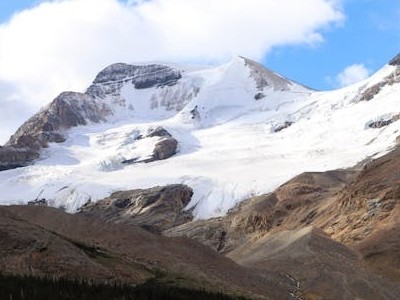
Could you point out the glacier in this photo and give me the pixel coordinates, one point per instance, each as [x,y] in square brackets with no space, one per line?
[242,131]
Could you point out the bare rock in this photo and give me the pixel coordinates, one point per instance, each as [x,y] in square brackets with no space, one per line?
[383,122]
[259,96]
[283,126]
[158,131]
[165,149]
[266,78]
[15,157]
[395,61]
[369,93]
[372,91]
[157,208]
[142,76]
[68,110]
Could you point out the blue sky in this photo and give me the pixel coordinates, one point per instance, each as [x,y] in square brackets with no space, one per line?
[9,7]
[370,35]
[50,46]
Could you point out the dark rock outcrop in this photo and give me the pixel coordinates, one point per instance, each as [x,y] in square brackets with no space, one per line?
[259,96]
[383,122]
[142,76]
[165,148]
[283,126]
[72,109]
[109,83]
[266,78]
[16,157]
[370,92]
[395,61]
[68,110]
[158,208]
[158,131]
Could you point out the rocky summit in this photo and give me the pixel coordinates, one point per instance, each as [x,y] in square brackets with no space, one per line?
[229,180]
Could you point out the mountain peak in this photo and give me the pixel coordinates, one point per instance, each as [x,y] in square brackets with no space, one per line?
[142,76]
[227,126]
[395,61]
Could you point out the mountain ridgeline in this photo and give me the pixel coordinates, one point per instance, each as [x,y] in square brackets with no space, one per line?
[230,182]
[103,101]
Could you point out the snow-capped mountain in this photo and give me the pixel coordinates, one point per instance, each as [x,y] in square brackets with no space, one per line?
[227,132]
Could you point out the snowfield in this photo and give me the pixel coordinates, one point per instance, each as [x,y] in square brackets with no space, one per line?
[231,145]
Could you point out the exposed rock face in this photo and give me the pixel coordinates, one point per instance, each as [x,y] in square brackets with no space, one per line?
[395,61]
[259,96]
[15,157]
[158,208]
[384,122]
[72,109]
[265,78]
[370,92]
[111,79]
[110,84]
[166,147]
[142,76]
[68,110]
[283,126]
[159,131]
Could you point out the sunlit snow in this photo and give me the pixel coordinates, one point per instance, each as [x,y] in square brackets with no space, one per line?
[227,153]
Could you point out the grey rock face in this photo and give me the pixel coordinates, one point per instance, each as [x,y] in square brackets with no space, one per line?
[384,122]
[15,157]
[259,96]
[266,78]
[163,149]
[157,208]
[283,126]
[68,110]
[142,77]
[370,92]
[159,131]
[72,109]
[395,61]
[168,95]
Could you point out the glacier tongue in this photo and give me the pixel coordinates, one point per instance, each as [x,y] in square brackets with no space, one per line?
[242,130]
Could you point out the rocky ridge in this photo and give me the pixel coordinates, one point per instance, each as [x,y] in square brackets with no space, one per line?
[71,109]
[320,235]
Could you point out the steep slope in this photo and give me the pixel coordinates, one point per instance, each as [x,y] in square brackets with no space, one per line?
[238,130]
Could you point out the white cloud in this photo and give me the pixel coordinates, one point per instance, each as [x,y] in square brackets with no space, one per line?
[61,45]
[352,74]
